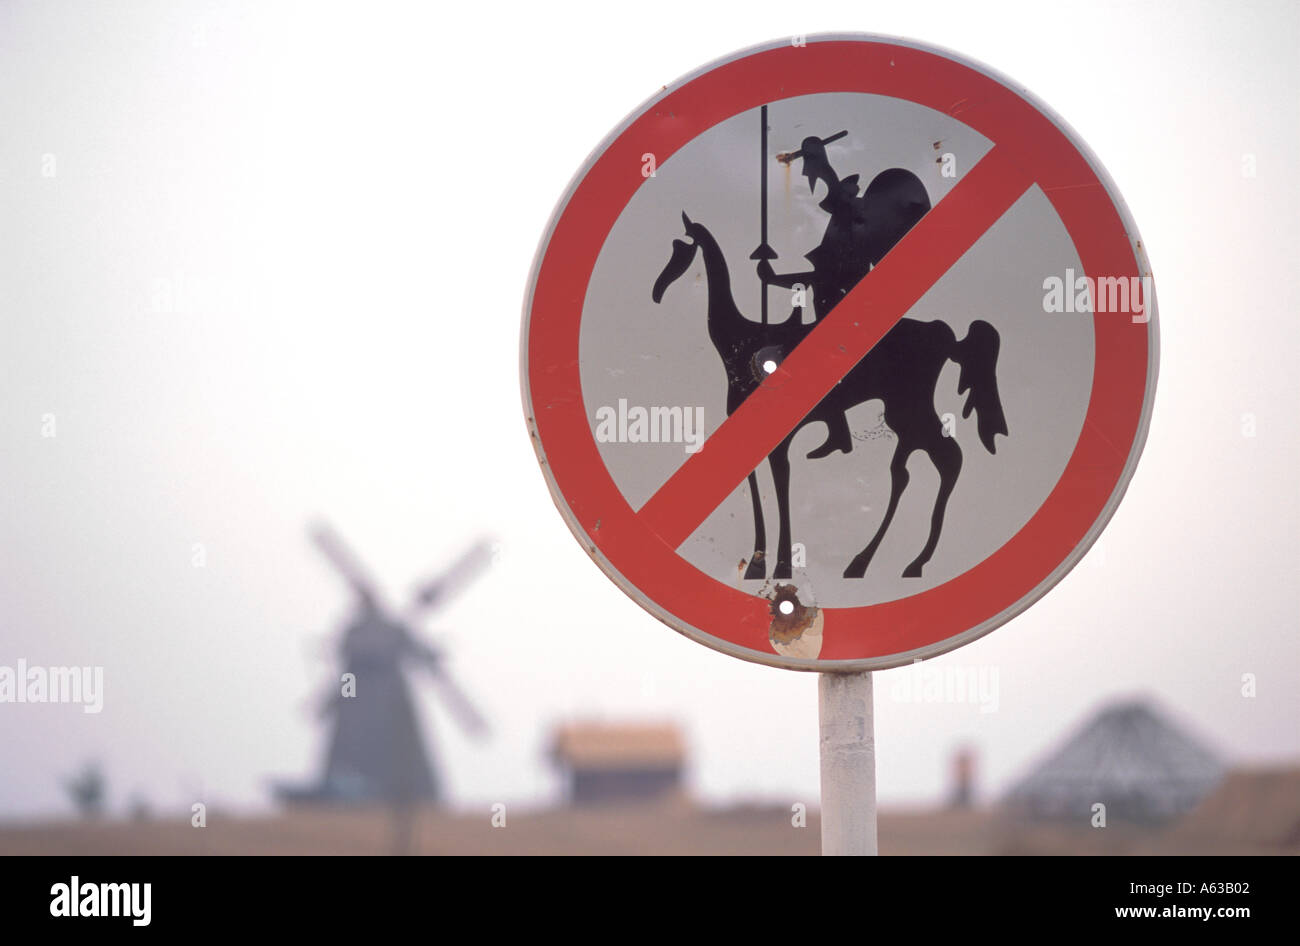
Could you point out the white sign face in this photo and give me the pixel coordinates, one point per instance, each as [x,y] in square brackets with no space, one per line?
[638,354]
[857,378]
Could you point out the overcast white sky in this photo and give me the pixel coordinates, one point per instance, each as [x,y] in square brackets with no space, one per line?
[265,262]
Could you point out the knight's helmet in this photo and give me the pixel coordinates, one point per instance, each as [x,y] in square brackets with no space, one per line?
[816,166]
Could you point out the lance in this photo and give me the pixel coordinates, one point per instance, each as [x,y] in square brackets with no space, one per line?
[764,251]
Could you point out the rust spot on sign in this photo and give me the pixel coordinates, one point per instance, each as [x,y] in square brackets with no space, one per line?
[790,618]
[796,628]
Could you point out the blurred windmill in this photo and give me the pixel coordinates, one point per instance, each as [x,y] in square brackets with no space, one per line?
[377,752]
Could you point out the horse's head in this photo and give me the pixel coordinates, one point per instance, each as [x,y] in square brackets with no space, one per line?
[680,261]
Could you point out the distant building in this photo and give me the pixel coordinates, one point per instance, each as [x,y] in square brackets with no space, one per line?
[1128,758]
[1256,808]
[619,762]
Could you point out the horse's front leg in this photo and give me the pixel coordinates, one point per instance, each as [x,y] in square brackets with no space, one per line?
[898,477]
[779,461]
[757,562]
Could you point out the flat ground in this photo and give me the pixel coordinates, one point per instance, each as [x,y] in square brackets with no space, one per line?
[645,829]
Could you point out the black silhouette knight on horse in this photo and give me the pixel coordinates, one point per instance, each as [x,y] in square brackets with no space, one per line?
[902,370]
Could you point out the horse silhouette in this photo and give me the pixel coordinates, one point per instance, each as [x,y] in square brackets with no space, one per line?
[902,370]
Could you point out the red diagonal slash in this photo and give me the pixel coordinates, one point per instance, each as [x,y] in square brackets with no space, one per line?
[838,342]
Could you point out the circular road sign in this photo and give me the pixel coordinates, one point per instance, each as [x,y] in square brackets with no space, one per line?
[839,352]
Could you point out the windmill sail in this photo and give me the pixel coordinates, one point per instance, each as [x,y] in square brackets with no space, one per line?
[377,750]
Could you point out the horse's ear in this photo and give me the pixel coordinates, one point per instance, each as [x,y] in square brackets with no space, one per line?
[686,221]
[683,256]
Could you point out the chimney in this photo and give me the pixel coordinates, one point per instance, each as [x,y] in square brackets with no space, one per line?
[962,791]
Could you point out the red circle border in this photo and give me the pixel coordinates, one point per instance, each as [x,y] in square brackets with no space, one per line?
[609,527]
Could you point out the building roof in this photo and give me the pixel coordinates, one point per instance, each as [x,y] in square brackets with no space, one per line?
[592,745]
[1127,757]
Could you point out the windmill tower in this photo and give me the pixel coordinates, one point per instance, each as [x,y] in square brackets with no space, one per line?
[377,752]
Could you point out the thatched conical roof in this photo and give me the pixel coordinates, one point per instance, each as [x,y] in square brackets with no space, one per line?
[1128,757]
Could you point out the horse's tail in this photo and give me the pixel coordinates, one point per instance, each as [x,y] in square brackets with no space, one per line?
[977,354]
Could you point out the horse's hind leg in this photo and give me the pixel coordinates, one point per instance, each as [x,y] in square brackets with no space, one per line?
[757,567]
[945,454]
[779,461]
[898,477]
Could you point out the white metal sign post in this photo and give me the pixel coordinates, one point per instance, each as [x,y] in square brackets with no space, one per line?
[838,354]
[845,718]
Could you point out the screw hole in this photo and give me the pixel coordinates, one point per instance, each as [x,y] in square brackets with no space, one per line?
[786,607]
